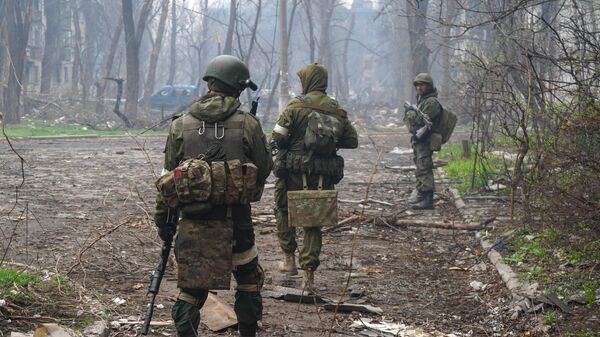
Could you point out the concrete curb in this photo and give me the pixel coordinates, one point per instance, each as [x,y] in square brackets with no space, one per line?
[521,293]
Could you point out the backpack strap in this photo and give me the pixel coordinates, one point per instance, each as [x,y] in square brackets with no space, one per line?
[336,111]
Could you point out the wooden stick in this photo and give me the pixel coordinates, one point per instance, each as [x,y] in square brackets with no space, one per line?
[368,201]
[341,223]
[443,225]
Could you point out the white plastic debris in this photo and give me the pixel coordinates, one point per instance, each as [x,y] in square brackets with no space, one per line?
[397,150]
[2,303]
[160,306]
[115,324]
[118,301]
[476,285]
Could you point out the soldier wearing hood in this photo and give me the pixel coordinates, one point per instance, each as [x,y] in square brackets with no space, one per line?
[214,241]
[427,102]
[294,161]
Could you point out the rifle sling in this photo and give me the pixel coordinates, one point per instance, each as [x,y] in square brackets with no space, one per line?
[338,112]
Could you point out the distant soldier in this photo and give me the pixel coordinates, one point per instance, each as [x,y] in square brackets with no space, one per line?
[424,144]
[216,237]
[304,164]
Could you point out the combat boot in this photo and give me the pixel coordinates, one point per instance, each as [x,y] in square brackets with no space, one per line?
[426,203]
[288,265]
[415,197]
[308,281]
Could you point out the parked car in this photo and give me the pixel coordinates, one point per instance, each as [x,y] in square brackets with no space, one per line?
[173,97]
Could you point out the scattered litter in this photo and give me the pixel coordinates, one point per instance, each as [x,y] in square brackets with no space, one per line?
[138,286]
[53,330]
[476,285]
[393,329]
[2,303]
[160,306]
[397,150]
[115,324]
[118,301]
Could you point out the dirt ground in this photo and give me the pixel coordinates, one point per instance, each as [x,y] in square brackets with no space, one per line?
[85,207]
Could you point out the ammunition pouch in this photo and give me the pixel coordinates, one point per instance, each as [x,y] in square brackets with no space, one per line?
[195,185]
[330,167]
[279,165]
[435,141]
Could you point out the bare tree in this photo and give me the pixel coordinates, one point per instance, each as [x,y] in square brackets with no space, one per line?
[149,87]
[284,84]
[228,48]
[108,68]
[18,21]
[133,38]
[173,52]
[417,26]
[50,59]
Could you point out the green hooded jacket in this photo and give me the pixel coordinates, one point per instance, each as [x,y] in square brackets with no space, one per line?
[313,78]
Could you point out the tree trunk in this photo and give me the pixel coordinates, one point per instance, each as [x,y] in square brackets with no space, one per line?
[77,65]
[311,31]
[114,43]
[417,23]
[284,83]
[50,58]
[90,12]
[149,88]
[18,22]
[133,38]
[228,49]
[173,55]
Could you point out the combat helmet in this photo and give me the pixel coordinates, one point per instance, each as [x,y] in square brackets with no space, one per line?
[423,78]
[231,71]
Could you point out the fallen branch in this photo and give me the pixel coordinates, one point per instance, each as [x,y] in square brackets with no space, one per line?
[341,223]
[100,237]
[443,225]
[362,202]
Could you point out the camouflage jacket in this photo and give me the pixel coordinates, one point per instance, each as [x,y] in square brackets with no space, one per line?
[295,120]
[214,108]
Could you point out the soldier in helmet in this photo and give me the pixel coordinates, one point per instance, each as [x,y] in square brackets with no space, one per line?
[216,130]
[427,102]
[296,166]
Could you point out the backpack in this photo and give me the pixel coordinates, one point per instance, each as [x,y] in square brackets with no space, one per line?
[446,124]
[322,133]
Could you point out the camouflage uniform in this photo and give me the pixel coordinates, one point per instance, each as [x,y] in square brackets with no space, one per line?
[422,152]
[225,227]
[289,135]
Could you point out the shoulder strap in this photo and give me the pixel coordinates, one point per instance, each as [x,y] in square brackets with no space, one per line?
[339,112]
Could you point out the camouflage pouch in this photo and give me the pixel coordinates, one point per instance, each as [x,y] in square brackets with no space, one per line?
[251,192]
[193,181]
[435,142]
[234,182]
[204,254]
[166,187]
[196,210]
[312,208]
[219,179]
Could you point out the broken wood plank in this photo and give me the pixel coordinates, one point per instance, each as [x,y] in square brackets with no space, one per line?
[217,315]
[443,225]
[348,307]
[296,295]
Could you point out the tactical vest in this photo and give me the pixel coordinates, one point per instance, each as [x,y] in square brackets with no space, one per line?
[199,135]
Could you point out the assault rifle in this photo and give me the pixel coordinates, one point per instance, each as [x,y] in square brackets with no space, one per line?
[157,275]
[423,130]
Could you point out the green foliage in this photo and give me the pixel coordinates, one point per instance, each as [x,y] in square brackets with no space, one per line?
[550,318]
[460,169]
[589,293]
[10,278]
[42,128]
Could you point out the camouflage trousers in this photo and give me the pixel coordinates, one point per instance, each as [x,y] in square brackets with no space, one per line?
[312,241]
[423,159]
[248,300]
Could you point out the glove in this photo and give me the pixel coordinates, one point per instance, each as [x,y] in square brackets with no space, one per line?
[166,233]
[411,115]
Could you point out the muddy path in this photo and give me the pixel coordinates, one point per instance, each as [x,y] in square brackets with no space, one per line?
[85,209]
